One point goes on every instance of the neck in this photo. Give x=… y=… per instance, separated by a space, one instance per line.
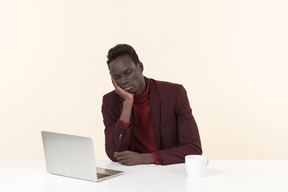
x=143 y=87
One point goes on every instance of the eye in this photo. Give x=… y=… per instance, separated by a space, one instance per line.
x=128 y=72
x=116 y=77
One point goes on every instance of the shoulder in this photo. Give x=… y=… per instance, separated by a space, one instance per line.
x=165 y=85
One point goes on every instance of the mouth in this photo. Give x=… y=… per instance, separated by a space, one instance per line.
x=128 y=88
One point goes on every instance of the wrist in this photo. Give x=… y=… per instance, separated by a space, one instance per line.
x=128 y=101
x=128 y=104
x=126 y=111
x=148 y=158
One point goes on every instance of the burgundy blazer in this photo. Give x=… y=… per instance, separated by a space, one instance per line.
x=174 y=127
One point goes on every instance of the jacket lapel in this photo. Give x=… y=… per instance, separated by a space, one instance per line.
x=155 y=109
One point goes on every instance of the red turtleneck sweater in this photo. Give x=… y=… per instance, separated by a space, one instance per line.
x=143 y=131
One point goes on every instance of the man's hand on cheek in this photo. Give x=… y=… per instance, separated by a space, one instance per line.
x=121 y=92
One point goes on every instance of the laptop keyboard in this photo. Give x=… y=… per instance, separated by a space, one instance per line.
x=101 y=175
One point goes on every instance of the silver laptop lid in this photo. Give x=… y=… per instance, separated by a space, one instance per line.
x=69 y=155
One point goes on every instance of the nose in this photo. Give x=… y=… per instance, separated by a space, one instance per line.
x=124 y=80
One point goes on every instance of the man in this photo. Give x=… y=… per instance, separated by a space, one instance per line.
x=146 y=121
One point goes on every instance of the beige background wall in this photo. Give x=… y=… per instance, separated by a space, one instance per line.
x=231 y=56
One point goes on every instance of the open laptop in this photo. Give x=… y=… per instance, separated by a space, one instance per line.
x=73 y=156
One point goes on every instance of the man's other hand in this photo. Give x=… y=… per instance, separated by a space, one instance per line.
x=133 y=158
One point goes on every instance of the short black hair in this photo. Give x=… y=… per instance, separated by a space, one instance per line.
x=121 y=50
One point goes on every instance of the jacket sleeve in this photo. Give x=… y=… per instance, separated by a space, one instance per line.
x=188 y=139
x=117 y=136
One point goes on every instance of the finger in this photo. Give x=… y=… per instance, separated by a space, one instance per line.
x=122 y=162
x=120 y=156
x=114 y=82
x=118 y=89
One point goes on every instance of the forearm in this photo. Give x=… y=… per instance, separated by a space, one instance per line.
x=113 y=142
x=177 y=154
x=117 y=136
x=126 y=111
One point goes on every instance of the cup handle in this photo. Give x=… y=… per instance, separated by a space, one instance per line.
x=207 y=162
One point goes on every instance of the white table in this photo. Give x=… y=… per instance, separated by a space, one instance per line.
x=220 y=175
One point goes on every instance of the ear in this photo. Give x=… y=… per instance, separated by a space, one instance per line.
x=141 y=67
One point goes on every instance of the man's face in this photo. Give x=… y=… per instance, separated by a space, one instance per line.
x=128 y=75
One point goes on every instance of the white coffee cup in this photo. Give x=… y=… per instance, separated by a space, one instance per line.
x=195 y=165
